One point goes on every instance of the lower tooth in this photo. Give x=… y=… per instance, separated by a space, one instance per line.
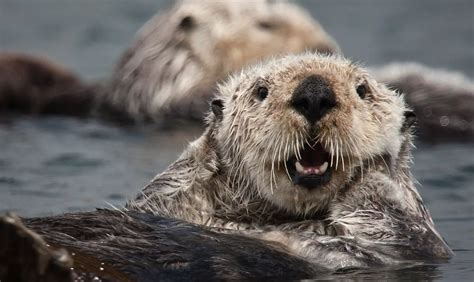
x=323 y=167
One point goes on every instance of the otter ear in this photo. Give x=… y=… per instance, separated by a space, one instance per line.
x=410 y=119
x=187 y=23
x=217 y=107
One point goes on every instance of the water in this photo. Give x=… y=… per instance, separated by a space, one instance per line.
x=54 y=165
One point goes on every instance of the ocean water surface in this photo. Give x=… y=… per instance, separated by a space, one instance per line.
x=54 y=165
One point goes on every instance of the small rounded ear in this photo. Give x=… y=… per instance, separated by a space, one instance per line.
x=217 y=107
x=187 y=23
x=410 y=119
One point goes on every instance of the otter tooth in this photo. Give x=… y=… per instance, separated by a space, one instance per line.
x=323 y=168
x=299 y=167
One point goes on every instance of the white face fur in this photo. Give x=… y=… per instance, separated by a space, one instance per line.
x=267 y=141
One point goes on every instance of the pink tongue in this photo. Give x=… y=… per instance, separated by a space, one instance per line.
x=313 y=157
x=311 y=170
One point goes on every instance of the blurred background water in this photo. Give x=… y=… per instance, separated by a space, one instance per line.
x=54 y=165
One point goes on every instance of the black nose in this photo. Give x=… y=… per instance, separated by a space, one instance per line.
x=313 y=98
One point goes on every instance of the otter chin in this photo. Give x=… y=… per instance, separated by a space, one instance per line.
x=310 y=169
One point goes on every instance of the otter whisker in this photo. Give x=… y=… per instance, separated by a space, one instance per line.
x=286 y=156
x=342 y=153
x=332 y=152
x=297 y=143
x=273 y=176
x=280 y=152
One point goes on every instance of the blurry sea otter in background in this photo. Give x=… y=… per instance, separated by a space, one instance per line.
x=176 y=59
x=173 y=65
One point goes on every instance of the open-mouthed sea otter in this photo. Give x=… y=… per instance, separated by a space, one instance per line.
x=305 y=160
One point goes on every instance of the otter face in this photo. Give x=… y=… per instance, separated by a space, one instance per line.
x=227 y=35
x=178 y=57
x=295 y=130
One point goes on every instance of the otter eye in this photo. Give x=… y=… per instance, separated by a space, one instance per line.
x=262 y=93
x=187 y=23
x=362 y=90
x=266 y=25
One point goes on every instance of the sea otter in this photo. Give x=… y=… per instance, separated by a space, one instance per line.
x=174 y=62
x=305 y=158
x=296 y=139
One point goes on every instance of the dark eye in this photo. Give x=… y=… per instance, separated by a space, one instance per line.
x=362 y=90
x=266 y=25
x=262 y=93
x=187 y=23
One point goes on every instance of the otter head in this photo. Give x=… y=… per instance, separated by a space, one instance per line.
x=227 y=35
x=295 y=130
x=178 y=57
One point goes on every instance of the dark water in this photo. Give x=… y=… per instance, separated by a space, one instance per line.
x=54 y=165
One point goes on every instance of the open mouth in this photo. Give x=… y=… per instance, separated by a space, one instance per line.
x=312 y=170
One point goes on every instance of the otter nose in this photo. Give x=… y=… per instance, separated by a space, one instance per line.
x=313 y=98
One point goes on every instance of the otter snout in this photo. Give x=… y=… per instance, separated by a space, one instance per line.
x=313 y=98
